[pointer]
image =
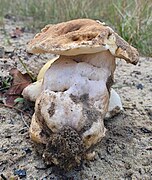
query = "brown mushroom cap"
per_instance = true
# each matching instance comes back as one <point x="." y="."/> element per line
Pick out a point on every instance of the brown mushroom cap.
<point x="81" y="36"/>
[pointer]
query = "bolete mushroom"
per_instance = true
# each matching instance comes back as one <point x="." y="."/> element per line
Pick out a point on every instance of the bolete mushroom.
<point x="73" y="97"/>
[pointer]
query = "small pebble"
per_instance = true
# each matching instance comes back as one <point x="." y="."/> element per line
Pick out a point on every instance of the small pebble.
<point x="7" y="136"/>
<point x="140" y="86"/>
<point x="27" y="150"/>
<point x="21" y="173"/>
<point x="145" y="130"/>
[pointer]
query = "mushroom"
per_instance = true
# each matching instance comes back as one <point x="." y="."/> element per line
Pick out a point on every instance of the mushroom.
<point x="73" y="97"/>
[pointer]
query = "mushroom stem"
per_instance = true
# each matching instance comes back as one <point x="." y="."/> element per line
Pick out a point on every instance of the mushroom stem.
<point x="32" y="91"/>
<point x="115" y="104"/>
<point x="45" y="68"/>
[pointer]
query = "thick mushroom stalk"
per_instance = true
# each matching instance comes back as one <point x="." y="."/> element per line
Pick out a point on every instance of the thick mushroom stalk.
<point x="65" y="148"/>
<point x="75" y="92"/>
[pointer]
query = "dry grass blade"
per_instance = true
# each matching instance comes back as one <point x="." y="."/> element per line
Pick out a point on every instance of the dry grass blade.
<point x="17" y="109"/>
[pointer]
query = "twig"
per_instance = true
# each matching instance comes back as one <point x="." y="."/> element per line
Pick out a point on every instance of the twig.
<point x="25" y="67"/>
<point x="120" y="86"/>
<point x="42" y="168"/>
<point x="12" y="107"/>
<point x="24" y="120"/>
<point x="127" y="107"/>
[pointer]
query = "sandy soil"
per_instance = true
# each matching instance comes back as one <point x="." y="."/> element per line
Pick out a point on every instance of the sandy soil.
<point x="126" y="151"/>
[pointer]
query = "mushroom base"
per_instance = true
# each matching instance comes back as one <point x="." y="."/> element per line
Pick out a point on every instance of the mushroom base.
<point x="64" y="149"/>
<point x="73" y="101"/>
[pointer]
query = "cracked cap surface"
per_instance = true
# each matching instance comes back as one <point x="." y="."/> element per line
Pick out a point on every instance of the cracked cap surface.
<point x="81" y="36"/>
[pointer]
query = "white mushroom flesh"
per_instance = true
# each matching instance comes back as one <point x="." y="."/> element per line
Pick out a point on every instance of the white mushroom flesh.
<point x="74" y="93"/>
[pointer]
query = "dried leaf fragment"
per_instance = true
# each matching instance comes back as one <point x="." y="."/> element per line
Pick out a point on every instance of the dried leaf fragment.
<point x="16" y="33"/>
<point x="20" y="81"/>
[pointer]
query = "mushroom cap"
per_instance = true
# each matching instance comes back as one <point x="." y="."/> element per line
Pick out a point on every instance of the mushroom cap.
<point x="81" y="36"/>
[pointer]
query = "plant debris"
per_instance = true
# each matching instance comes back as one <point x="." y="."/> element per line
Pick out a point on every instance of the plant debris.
<point x="20" y="81"/>
<point x="145" y="130"/>
<point x="5" y="83"/>
<point x="17" y="32"/>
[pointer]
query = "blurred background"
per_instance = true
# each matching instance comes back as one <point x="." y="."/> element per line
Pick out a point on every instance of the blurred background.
<point x="132" y="19"/>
